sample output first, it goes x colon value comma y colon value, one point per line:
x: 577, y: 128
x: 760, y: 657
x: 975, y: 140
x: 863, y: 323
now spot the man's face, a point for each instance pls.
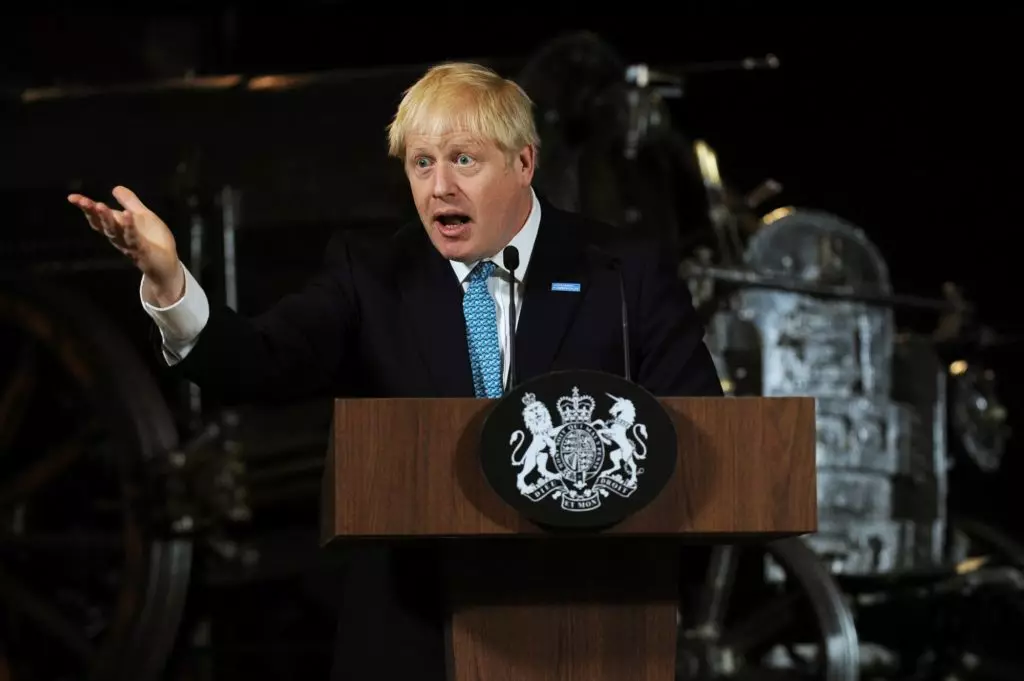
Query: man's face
x: 470, y: 198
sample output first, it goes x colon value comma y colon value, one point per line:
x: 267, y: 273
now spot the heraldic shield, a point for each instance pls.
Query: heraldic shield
x: 578, y: 449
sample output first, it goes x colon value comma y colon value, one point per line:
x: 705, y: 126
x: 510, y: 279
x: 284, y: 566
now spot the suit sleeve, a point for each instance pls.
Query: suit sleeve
x: 672, y: 358
x: 293, y: 351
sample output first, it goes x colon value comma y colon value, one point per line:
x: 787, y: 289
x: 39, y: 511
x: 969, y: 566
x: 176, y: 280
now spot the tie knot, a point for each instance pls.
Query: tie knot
x: 482, y: 271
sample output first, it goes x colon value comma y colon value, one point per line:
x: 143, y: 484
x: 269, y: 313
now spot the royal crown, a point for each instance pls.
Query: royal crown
x: 529, y: 398
x: 576, y: 408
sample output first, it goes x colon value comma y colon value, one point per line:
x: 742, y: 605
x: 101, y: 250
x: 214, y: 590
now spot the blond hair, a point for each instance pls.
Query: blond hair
x: 466, y: 97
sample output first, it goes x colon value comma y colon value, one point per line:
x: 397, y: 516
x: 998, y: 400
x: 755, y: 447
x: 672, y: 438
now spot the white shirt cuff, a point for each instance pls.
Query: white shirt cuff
x: 181, y: 322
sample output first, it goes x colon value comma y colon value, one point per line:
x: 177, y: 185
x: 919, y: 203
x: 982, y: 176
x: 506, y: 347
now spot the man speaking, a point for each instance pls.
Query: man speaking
x: 425, y: 315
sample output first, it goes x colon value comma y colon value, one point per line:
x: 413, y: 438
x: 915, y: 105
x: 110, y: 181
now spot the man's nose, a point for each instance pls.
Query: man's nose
x: 444, y: 182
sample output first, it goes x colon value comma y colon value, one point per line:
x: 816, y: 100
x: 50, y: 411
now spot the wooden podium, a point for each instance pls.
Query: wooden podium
x: 528, y: 604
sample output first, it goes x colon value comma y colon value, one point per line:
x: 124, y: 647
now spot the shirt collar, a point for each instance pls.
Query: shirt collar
x: 523, y: 241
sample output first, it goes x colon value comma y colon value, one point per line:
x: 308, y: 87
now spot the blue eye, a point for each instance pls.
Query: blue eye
x: 422, y: 163
x: 463, y: 159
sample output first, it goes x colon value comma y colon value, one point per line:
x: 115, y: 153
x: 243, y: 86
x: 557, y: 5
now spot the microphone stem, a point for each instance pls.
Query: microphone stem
x: 511, y: 330
x: 627, y: 372
x: 511, y: 262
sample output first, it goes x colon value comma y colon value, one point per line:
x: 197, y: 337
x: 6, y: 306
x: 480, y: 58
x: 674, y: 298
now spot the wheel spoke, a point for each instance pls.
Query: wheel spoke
x: 762, y: 626
x: 44, y: 469
x: 709, y: 614
x: 837, y: 631
x: 16, y: 395
x: 748, y: 623
x: 83, y: 576
x: 5, y: 665
x: 20, y: 598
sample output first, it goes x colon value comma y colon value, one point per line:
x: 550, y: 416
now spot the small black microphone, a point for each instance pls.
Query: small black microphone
x: 615, y: 264
x: 510, y: 256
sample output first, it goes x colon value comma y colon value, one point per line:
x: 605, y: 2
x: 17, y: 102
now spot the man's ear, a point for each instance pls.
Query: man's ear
x: 525, y: 164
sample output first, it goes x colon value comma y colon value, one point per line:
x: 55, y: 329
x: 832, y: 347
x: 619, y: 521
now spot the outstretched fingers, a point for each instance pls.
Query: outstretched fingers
x: 128, y: 200
x: 116, y: 225
x: 88, y: 208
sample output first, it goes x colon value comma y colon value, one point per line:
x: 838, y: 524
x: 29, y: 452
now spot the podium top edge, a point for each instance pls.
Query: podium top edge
x: 661, y: 398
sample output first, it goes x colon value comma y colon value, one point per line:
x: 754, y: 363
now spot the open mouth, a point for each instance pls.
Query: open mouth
x: 452, y: 224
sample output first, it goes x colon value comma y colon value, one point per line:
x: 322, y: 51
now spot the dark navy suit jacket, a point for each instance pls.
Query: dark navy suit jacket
x: 384, y: 319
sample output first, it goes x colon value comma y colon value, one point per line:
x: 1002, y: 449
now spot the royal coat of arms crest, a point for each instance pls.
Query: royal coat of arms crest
x: 583, y: 459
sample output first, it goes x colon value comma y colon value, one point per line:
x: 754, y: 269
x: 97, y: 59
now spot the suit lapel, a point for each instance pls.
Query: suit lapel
x: 547, y: 314
x: 432, y: 297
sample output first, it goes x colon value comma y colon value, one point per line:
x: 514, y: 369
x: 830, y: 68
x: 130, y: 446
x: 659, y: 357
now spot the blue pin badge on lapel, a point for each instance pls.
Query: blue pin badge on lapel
x: 569, y: 286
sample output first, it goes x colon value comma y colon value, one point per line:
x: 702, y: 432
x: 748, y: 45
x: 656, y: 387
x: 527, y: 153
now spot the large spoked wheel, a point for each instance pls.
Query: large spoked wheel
x: 751, y: 623
x: 87, y: 590
x: 977, y: 637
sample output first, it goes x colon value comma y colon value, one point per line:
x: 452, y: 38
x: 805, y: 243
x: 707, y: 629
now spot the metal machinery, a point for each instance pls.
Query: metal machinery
x: 141, y: 523
x: 611, y: 151
x: 799, y: 302
x: 805, y: 307
x: 85, y: 576
x: 881, y: 462
x: 122, y: 497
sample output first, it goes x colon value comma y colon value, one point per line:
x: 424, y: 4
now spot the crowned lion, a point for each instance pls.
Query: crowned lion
x: 538, y: 421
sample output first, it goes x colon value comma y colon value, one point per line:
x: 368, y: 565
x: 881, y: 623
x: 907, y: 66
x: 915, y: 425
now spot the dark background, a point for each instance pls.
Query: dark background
x: 906, y: 126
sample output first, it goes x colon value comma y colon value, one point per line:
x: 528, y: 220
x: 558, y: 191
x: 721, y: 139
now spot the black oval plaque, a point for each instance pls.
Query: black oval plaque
x: 578, y: 449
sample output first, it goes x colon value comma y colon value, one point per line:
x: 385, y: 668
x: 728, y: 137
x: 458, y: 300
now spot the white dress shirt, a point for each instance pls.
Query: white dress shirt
x: 181, y: 323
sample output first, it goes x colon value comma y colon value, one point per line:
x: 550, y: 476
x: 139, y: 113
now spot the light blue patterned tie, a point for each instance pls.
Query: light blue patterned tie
x: 482, y: 332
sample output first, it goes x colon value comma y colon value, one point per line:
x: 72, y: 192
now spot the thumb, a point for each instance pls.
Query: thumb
x: 126, y: 197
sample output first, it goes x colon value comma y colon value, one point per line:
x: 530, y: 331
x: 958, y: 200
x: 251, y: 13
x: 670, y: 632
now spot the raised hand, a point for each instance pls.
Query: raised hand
x: 140, y: 234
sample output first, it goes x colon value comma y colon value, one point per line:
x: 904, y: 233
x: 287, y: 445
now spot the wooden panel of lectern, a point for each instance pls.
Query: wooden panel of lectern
x: 527, y: 603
